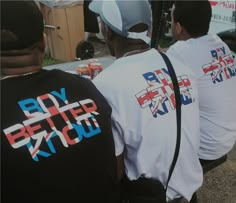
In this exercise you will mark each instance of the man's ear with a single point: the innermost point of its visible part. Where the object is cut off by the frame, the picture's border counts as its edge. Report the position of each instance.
(178, 29)
(42, 43)
(181, 32)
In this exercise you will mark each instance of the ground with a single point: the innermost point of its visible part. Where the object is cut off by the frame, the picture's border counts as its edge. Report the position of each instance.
(220, 183)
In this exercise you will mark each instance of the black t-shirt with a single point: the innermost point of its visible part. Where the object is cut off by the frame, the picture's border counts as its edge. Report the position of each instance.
(56, 141)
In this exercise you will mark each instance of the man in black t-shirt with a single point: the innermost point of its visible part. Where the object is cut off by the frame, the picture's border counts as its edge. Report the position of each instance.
(56, 138)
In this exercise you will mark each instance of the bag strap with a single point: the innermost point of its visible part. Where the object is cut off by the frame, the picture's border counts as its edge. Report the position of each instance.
(178, 113)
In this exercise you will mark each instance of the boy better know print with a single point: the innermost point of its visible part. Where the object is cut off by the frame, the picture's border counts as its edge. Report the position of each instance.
(159, 95)
(77, 121)
(221, 67)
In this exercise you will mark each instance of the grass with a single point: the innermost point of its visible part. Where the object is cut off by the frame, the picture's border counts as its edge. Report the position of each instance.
(165, 42)
(48, 60)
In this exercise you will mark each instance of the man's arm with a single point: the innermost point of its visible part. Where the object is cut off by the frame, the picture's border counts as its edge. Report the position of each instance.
(120, 166)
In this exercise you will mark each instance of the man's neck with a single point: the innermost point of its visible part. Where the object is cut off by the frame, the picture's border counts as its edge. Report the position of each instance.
(186, 36)
(131, 49)
(19, 71)
(19, 62)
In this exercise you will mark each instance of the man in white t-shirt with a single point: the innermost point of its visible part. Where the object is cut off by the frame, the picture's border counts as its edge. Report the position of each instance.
(211, 60)
(139, 89)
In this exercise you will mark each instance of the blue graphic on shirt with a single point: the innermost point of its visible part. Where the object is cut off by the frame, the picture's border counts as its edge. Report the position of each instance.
(221, 67)
(77, 122)
(159, 95)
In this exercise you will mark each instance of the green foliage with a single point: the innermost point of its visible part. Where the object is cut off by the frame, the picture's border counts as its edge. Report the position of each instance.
(48, 60)
(165, 42)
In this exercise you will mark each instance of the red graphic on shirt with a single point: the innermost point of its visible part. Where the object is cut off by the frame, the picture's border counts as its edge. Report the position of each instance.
(221, 66)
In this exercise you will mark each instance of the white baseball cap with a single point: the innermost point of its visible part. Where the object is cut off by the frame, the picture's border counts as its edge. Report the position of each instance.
(121, 15)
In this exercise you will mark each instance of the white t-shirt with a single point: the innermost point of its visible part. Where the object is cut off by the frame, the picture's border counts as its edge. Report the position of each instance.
(138, 88)
(210, 58)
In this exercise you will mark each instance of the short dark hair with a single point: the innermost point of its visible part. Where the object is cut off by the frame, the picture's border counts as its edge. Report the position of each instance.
(21, 24)
(194, 16)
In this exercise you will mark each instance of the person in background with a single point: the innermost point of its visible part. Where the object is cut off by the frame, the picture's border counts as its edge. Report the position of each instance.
(90, 20)
(212, 62)
(56, 136)
(139, 89)
(92, 24)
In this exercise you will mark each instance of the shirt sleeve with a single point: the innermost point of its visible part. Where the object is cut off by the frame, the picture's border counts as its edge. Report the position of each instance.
(118, 133)
(117, 123)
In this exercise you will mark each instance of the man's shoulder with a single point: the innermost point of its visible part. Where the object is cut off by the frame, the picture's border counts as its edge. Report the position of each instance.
(192, 43)
(73, 82)
(180, 47)
(65, 77)
(59, 73)
(111, 74)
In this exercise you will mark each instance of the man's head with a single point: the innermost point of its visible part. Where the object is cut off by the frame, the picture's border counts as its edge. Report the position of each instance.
(123, 19)
(21, 25)
(190, 19)
(22, 38)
